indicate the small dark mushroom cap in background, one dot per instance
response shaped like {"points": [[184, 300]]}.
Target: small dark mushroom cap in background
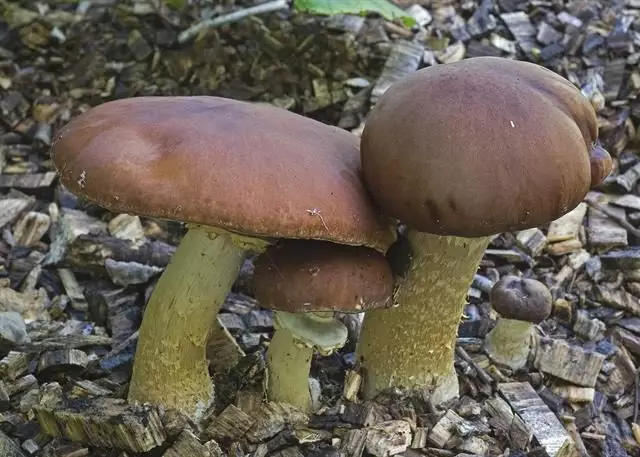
{"points": [[481, 146], [312, 276], [248, 168], [521, 299]]}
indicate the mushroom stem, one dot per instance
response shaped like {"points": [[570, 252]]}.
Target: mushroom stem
{"points": [[289, 355], [289, 362], [170, 366], [412, 346], [509, 342]]}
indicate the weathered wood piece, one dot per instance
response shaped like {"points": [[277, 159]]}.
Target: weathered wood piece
{"points": [[445, 428], [8, 448], [105, 422], [404, 59], [568, 226], [272, 418], [569, 362], [70, 361], [522, 29], [30, 228], [27, 180], [533, 241], [187, 445], [388, 438], [618, 298], [11, 208], [230, 425], [603, 231], [353, 443], [546, 427]]}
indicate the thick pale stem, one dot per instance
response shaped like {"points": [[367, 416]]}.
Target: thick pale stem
{"points": [[296, 337], [412, 345], [289, 362], [170, 366], [509, 342]]}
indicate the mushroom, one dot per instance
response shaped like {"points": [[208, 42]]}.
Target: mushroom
{"points": [[240, 175], [305, 282], [460, 152], [520, 303]]}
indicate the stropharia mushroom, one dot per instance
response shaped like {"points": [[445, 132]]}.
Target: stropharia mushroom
{"points": [[520, 303], [239, 174], [305, 282], [460, 152]]}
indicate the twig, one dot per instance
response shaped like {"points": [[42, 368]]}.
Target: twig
{"points": [[483, 375], [623, 222], [267, 7]]}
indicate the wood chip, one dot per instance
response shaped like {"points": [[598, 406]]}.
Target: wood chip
{"points": [[521, 28], [568, 226], [388, 438], [8, 448], [404, 59], [104, 422], [31, 227], [603, 231], [11, 208], [28, 181], [445, 428], [230, 425], [569, 362], [546, 427], [187, 445], [69, 361]]}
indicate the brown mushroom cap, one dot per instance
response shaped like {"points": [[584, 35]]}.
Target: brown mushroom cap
{"points": [[248, 168], [601, 164], [521, 299], [311, 276], [479, 147]]}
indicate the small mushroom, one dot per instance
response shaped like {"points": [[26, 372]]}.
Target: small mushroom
{"points": [[305, 282], [459, 153], [520, 303], [240, 175]]}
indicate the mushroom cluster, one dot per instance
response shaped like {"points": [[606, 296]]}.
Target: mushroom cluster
{"points": [[461, 152], [242, 176], [457, 152]]}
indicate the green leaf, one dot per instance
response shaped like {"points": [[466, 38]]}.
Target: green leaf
{"points": [[384, 8], [176, 4]]}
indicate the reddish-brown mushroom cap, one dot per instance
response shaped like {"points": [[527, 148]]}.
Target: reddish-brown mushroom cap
{"points": [[521, 299], [481, 146], [248, 168], [311, 276], [601, 164]]}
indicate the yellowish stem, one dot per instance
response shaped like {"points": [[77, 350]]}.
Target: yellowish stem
{"points": [[412, 345], [289, 362], [170, 366], [509, 342]]}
